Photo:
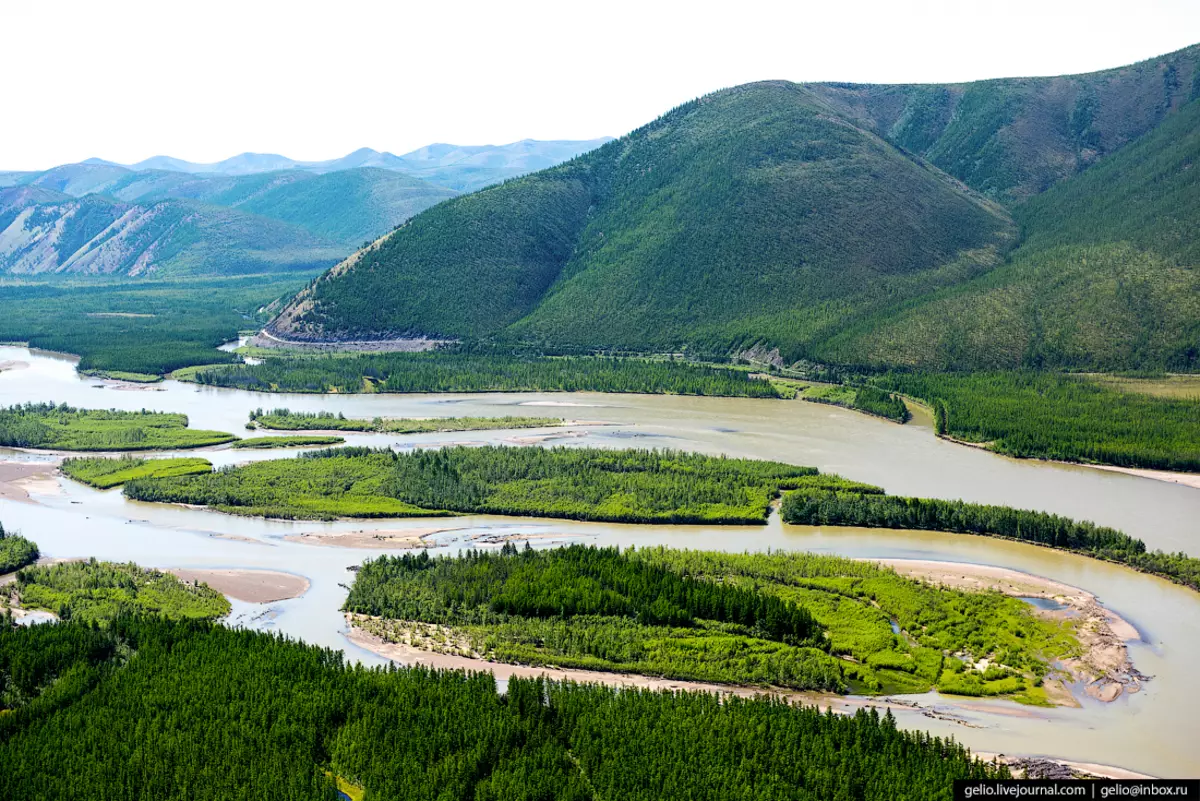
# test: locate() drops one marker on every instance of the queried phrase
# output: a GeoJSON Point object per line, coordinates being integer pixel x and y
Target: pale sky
{"type": "Point", "coordinates": [206, 80]}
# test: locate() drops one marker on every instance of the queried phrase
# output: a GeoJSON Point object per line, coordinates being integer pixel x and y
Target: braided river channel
{"type": "Point", "coordinates": [1155, 731]}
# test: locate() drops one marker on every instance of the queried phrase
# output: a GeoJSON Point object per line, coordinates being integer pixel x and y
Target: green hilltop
{"type": "Point", "coordinates": [711, 226]}
{"type": "Point", "coordinates": [1043, 222]}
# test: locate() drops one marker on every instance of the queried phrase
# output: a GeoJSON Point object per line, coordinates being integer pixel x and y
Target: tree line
{"type": "Point", "coordinates": [578, 483]}
{"type": "Point", "coordinates": [15, 551]}
{"type": "Point", "coordinates": [207, 712]}
{"type": "Point", "coordinates": [439, 371]}
{"type": "Point", "coordinates": [1070, 418]}
{"type": "Point", "coordinates": [565, 582]}
{"type": "Point", "coordinates": [1055, 531]}
{"type": "Point", "coordinates": [63, 427]}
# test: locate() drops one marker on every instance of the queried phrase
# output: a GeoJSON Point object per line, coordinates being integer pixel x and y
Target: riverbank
{"type": "Point", "coordinates": [406, 654]}
{"type": "Point", "coordinates": [1103, 666]}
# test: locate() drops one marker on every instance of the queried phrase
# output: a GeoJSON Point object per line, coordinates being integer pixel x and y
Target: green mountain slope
{"type": "Point", "coordinates": [1107, 276]}
{"type": "Point", "coordinates": [43, 232]}
{"type": "Point", "coordinates": [753, 214]}
{"type": "Point", "coordinates": [1015, 137]}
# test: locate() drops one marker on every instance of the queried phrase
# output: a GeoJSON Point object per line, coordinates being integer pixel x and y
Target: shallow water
{"type": "Point", "coordinates": [1155, 731]}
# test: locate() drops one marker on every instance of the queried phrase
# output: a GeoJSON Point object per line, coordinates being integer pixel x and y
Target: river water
{"type": "Point", "coordinates": [1155, 731]}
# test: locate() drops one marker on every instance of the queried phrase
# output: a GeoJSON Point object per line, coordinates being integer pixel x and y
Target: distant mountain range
{"type": "Point", "coordinates": [253, 212]}
{"type": "Point", "coordinates": [996, 224]}
{"type": "Point", "coordinates": [458, 167]}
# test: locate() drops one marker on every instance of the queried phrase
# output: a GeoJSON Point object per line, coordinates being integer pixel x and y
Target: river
{"type": "Point", "coordinates": [1155, 731]}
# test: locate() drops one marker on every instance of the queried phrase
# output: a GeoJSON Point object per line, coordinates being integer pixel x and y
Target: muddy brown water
{"type": "Point", "coordinates": [1155, 731]}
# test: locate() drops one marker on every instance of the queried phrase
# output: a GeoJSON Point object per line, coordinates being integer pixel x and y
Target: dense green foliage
{"type": "Point", "coordinates": [1013, 138]}
{"type": "Point", "coordinates": [221, 713]}
{"type": "Point", "coordinates": [751, 214]}
{"type": "Point", "coordinates": [287, 420]}
{"type": "Point", "coordinates": [60, 427]}
{"type": "Point", "coordinates": [575, 581]}
{"type": "Point", "coordinates": [633, 486]}
{"type": "Point", "coordinates": [258, 443]}
{"type": "Point", "coordinates": [848, 508]}
{"type": "Point", "coordinates": [883, 404]}
{"type": "Point", "coordinates": [149, 327]}
{"type": "Point", "coordinates": [15, 551]}
{"type": "Point", "coordinates": [98, 592]}
{"type": "Point", "coordinates": [574, 607]}
{"type": "Point", "coordinates": [103, 473]}
{"type": "Point", "coordinates": [869, 399]}
{"type": "Point", "coordinates": [461, 372]}
{"type": "Point", "coordinates": [1045, 416]}
{"type": "Point", "coordinates": [767, 218]}
{"type": "Point", "coordinates": [1105, 278]}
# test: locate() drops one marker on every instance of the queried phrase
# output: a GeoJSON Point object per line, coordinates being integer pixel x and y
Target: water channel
{"type": "Point", "coordinates": [1155, 731]}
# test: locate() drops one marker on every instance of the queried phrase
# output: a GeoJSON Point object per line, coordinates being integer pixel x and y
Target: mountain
{"type": "Point", "coordinates": [1008, 223]}
{"type": "Point", "coordinates": [1015, 137]}
{"type": "Point", "coordinates": [1107, 276]}
{"type": "Point", "coordinates": [347, 201]}
{"type": "Point", "coordinates": [752, 214]}
{"type": "Point", "coordinates": [43, 231]}
{"type": "Point", "coordinates": [469, 168]}
{"type": "Point", "coordinates": [348, 206]}
{"type": "Point", "coordinates": [457, 167]}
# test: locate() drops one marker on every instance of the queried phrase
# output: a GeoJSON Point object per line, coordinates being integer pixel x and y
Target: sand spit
{"type": "Point", "coordinates": [1185, 479]}
{"type": "Point", "coordinates": [252, 586]}
{"type": "Point", "coordinates": [405, 538]}
{"type": "Point", "coordinates": [20, 479]}
{"type": "Point", "coordinates": [12, 364]}
{"type": "Point", "coordinates": [1039, 767]}
{"type": "Point", "coordinates": [1104, 666]}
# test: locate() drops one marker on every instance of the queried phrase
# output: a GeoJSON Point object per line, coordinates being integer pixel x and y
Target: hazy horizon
{"type": "Point", "coordinates": [314, 85]}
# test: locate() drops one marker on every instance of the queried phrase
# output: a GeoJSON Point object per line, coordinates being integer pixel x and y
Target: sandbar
{"type": "Point", "coordinates": [253, 586]}
{"type": "Point", "coordinates": [19, 479]}
{"type": "Point", "coordinates": [369, 538]}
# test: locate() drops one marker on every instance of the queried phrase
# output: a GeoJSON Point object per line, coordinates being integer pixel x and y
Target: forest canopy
{"type": "Point", "coordinates": [198, 696]}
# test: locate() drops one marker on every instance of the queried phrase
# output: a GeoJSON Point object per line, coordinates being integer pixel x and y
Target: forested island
{"type": "Point", "coordinates": [287, 420]}
{"type": "Point", "coordinates": [578, 483]}
{"type": "Point", "coordinates": [94, 592]}
{"type": "Point", "coordinates": [50, 426]}
{"type": "Point", "coordinates": [452, 371]}
{"type": "Point", "coordinates": [792, 620]}
{"type": "Point", "coordinates": [848, 507]}
{"type": "Point", "coordinates": [105, 472]}
{"type": "Point", "coordinates": [305, 441]}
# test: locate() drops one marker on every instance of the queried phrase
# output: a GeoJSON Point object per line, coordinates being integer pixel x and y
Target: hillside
{"type": "Point", "coordinates": [1107, 277]}
{"type": "Point", "coordinates": [814, 220]}
{"type": "Point", "coordinates": [1012, 138]}
{"type": "Point", "coordinates": [45, 232]}
{"type": "Point", "coordinates": [752, 214]}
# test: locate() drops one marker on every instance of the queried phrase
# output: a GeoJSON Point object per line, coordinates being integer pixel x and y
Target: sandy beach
{"type": "Point", "coordinates": [1104, 665]}
{"type": "Point", "coordinates": [19, 479]}
{"type": "Point", "coordinates": [1186, 479]}
{"type": "Point", "coordinates": [253, 586]}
